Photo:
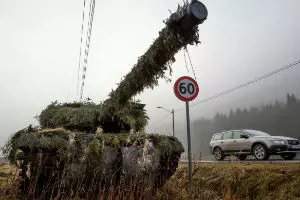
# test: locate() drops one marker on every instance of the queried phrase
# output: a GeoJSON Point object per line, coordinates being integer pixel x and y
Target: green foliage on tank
{"type": "Point", "coordinates": [33, 139]}
{"type": "Point", "coordinates": [154, 63]}
{"type": "Point", "coordinates": [59, 155]}
{"type": "Point", "coordinates": [70, 115]}
{"type": "Point", "coordinates": [87, 116]}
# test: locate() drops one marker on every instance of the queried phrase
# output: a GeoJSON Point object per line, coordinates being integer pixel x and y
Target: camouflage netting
{"type": "Point", "coordinates": [158, 58]}
{"type": "Point", "coordinates": [86, 117]}
{"type": "Point", "coordinates": [76, 161]}
{"type": "Point", "coordinates": [83, 150]}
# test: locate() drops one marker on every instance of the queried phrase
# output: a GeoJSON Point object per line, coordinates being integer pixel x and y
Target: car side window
{"type": "Point", "coordinates": [218, 137]}
{"type": "Point", "coordinates": [227, 135]}
{"type": "Point", "coordinates": [237, 134]}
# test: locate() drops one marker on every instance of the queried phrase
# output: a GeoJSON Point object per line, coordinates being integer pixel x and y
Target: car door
{"type": "Point", "coordinates": [227, 142]}
{"type": "Point", "coordinates": [240, 144]}
{"type": "Point", "coordinates": [216, 141]}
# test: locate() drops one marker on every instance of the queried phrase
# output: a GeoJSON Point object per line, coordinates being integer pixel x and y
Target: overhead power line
{"type": "Point", "coordinates": [187, 51]}
{"type": "Point", "coordinates": [186, 66]}
{"type": "Point", "coordinates": [244, 84]}
{"type": "Point", "coordinates": [80, 49]}
{"type": "Point", "coordinates": [87, 45]}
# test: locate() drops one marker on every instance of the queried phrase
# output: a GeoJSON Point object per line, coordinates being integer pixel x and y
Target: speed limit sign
{"type": "Point", "coordinates": [186, 88]}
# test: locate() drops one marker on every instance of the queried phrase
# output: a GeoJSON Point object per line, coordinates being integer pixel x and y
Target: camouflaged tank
{"type": "Point", "coordinates": [89, 151]}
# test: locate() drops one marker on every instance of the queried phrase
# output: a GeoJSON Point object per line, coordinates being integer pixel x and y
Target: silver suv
{"type": "Point", "coordinates": [251, 142]}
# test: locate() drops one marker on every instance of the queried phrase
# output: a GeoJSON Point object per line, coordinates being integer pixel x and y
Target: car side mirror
{"type": "Point", "coordinates": [244, 136]}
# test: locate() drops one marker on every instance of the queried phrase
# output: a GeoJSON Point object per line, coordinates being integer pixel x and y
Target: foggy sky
{"type": "Point", "coordinates": [240, 41]}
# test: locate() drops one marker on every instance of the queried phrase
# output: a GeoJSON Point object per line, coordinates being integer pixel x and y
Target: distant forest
{"type": "Point", "coordinates": [279, 118]}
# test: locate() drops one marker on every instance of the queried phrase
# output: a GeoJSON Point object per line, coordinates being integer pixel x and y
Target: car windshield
{"type": "Point", "coordinates": [253, 133]}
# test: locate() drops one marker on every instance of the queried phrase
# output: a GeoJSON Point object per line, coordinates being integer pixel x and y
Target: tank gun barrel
{"type": "Point", "coordinates": [181, 29]}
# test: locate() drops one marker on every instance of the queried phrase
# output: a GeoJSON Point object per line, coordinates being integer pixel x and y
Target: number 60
{"type": "Point", "coordinates": [190, 88]}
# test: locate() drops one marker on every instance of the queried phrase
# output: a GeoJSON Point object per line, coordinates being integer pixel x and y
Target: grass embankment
{"type": "Point", "coordinates": [235, 182]}
{"type": "Point", "coordinates": [210, 181]}
{"type": "Point", "coordinates": [5, 173]}
{"type": "Point", "coordinates": [8, 182]}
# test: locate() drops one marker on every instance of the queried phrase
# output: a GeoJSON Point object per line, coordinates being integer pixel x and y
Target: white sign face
{"type": "Point", "coordinates": [186, 88]}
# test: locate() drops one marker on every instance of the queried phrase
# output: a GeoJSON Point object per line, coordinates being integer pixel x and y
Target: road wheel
{"type": "Point", "coordinates": [288, 156]}
{"type": "Point", "coordinates": [242, 157]}
{"type": "Point", "coordinates": [260, 152]}
{"type": "Point", "coordinates": [218, 154]}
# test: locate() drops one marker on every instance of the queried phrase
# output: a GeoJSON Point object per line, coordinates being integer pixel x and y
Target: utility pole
{"type": "Point", "coordinates": [173, 119]}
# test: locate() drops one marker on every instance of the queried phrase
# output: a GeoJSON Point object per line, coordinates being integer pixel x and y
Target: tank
{"type": "Point", "coordinates": [84, 150]}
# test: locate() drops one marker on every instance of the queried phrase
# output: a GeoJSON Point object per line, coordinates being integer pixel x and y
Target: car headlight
{"type": "Point", "coordinates": [278, 142]}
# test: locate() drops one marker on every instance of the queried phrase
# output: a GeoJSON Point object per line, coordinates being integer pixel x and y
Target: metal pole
{"type": "Point", "coordinates": [173, 123]}
{"type": "Point", "coordinates": [189, 140]}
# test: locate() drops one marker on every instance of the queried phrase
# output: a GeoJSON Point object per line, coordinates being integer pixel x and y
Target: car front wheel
{"type": "Point", "coordinates": [260, 152]}
{"type": "Point", "coordinates": [288, 156]}
{"type": "Point", "coordinates": [218, 154]}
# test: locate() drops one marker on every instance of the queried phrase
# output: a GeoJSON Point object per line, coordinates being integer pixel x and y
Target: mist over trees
{"type": "Point", "coordinates": [279, 118]}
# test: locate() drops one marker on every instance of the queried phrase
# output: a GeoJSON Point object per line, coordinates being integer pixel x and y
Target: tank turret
{"type": "Point", "coordinates": [88, 150]}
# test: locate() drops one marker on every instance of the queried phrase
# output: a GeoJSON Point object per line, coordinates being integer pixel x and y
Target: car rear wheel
{"type": "Point", "coordinates": [288, 156]}
{"type": "Point", "coordinates": [242, 157]}
{"type": "Point", "coordinates": [260, 152]}
{"type": "Point", "coordinates": [218, 154]}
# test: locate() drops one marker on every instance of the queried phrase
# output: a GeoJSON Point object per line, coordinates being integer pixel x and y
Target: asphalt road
{"type": "Point", "coordinates": [245, 161]}
{"type": "Point", "coordinates": [250, 159]}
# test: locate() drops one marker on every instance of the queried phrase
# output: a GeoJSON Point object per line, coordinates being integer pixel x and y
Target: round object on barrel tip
{"type": "Point", "coordinates": [198, 11]}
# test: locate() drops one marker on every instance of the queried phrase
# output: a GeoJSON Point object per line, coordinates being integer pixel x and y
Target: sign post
{"type": "Point", "coordinates": [189, 140]}
{"type": "Point", "coordinates": [186, 89]}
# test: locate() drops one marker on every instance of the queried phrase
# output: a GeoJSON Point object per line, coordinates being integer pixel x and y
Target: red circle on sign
{"type": "Point", "coordinates": [177, 91]}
